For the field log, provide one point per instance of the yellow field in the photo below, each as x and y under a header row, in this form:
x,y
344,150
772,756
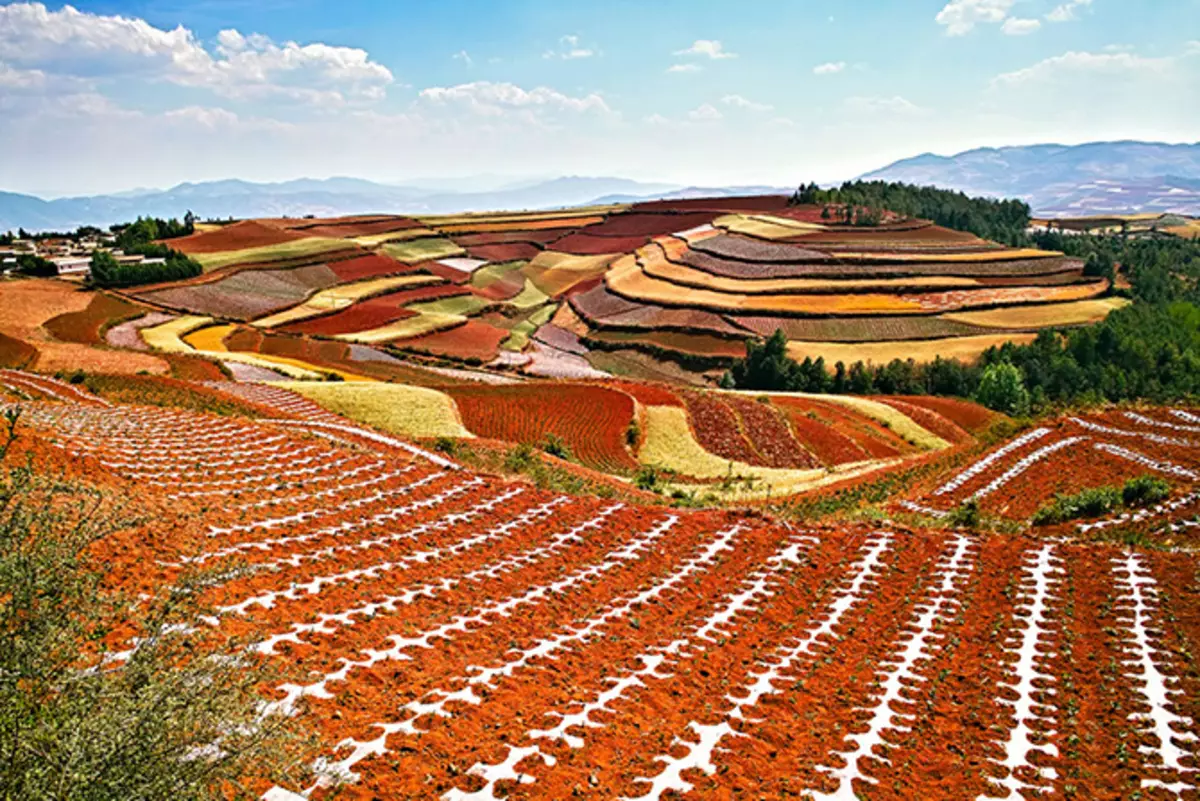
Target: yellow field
x,y
1047,315
530,297
764,226
169,337
424,323
396,408
655,265
1002,254
418,250
340,297
395,236
627,279
555,273
286,250
965,349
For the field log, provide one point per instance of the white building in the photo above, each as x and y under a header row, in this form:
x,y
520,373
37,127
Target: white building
x,y
72,265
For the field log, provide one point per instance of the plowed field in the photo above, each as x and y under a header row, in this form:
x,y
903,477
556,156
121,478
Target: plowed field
x,y
466,637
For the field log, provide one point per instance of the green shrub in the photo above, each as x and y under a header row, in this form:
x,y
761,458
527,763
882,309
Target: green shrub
x,y
965,515
520,458
1145,490
446,445
647,478
553,444
1091,502
132,730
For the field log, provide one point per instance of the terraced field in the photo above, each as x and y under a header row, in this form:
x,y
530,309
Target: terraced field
x,y
462,636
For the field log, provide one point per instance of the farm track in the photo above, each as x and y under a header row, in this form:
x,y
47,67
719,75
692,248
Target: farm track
x,y
463,637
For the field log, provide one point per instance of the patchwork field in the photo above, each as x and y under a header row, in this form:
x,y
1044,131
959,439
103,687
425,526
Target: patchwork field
x,y
665,281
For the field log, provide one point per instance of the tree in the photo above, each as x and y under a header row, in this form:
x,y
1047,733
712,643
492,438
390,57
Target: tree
x,y
30,264
105,269
1002,388
766,365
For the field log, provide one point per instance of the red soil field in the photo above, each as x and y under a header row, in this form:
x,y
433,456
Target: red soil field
x,y
965,414
877,441
527,412
507,238
515,251
753,203
717,427
87,327
608,649
336,229
237,236
769,434
16,353
450,274
603,309
828,444
372,313
929,420
372,266
651,341
584,244
632,224
473,341
647,394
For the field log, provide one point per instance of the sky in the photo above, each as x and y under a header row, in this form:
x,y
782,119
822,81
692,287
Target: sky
x,y
112,95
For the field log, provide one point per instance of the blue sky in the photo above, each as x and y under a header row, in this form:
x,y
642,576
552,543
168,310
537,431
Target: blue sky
x,y
104,96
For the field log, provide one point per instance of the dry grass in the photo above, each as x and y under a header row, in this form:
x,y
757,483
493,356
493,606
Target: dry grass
x,y
965,349
426,249
983,256
309,246
764,226
1047,315
343,296
396,408
402,235
424,323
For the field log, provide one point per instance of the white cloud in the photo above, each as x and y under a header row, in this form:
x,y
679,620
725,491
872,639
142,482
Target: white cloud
x,y
961,16
895,105
464,57
738,101
91,46
1073,65
706,47
569,48
705,113
1016,26
1066,11
494,99
684,68
829,68
12,78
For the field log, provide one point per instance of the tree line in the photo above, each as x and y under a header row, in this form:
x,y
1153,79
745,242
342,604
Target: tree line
x,y
139,238
862,202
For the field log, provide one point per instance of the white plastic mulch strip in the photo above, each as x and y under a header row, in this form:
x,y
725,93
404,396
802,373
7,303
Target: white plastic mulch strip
x,y
1154,464
1026,463
990,459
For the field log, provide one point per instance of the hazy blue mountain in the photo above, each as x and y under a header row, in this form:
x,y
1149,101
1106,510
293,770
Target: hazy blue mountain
x,y
1098,176
321,197
690,192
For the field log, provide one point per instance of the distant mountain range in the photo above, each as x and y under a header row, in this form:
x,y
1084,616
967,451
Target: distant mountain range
x,y
1061,180
323,198
1056,180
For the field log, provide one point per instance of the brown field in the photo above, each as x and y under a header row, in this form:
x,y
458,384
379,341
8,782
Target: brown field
x,y
1048,315
238,236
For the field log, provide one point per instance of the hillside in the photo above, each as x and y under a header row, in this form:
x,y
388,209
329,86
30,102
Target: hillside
x,y
1098,177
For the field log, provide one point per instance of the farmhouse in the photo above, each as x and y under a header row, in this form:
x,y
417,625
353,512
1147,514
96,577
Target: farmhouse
x,y
72,265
